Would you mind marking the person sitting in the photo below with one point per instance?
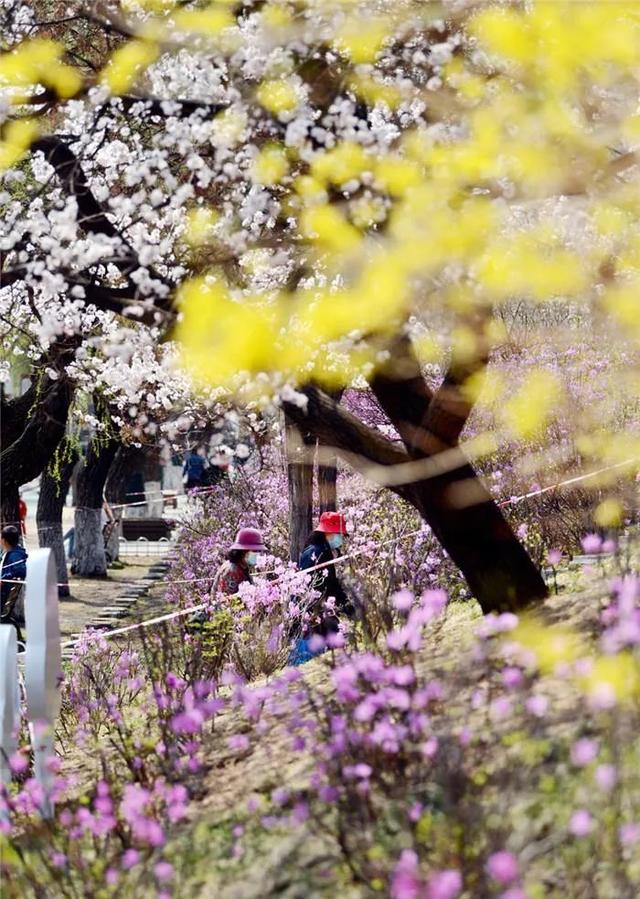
(241, 558)
(13, 569)
(322, 548)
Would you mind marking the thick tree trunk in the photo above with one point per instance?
(127, 460)
(9, 503)
(53, 493)
(91, 559)
(300, 477)
(32, 427)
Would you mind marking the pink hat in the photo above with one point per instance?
(249, 539)
(332, 523)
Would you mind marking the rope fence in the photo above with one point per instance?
(514, 500)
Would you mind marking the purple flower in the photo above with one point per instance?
(512, 677)
(537, 705)
(583, 752)
(238, 742)
(502, 867)
(18, 763)
(430, 748)
(606, 777)
(187, 722)
(402, 600)
(163, 871)
(405, 883)
(554, 556)
(514, 893)
(629, 834)
(280, 796)
(130, 858)
(316, 643)
(581, 823)
(444, 884)
(592, 543)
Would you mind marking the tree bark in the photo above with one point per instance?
(33, 425)
(328, 482)
(53, 493)
(10, 499)
(127, 460)
(299, 446)
(90, 555)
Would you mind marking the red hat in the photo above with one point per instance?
(332, 523)
(250, 540)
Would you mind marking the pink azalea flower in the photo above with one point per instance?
(163, 871)
(583, 752)
(502, 867)
(402, 600)
(592, 543)
(581, 823)
(537, 705)
(444, 885)
(629, 834)
(606, 777)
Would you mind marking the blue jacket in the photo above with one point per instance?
(194, 467)
(14, 568)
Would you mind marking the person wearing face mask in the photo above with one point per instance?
(324, 545)
(241, 558)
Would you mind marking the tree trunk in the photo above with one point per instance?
(327, 468)
(10, 496)
(327, 482)
(300, 477)
(53, 493)
(127, 460)
(31, 432)
(91, 559)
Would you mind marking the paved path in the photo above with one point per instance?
(90, 595)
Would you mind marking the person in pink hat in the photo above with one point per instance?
(241, 558)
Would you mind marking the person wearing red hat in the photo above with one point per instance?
(323, 546)
(241, 558)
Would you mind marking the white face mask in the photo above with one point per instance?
(252, 559)
(335, 541)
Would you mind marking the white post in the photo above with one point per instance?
(9, 699)
(43, 666)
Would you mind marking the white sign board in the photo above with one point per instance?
(43, 667)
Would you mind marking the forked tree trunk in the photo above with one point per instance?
(300, 477)
(53, 493)
(91, 560)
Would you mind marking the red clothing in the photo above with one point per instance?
(229, 577)
(22, 512)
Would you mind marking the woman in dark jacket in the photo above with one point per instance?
(323, 546)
